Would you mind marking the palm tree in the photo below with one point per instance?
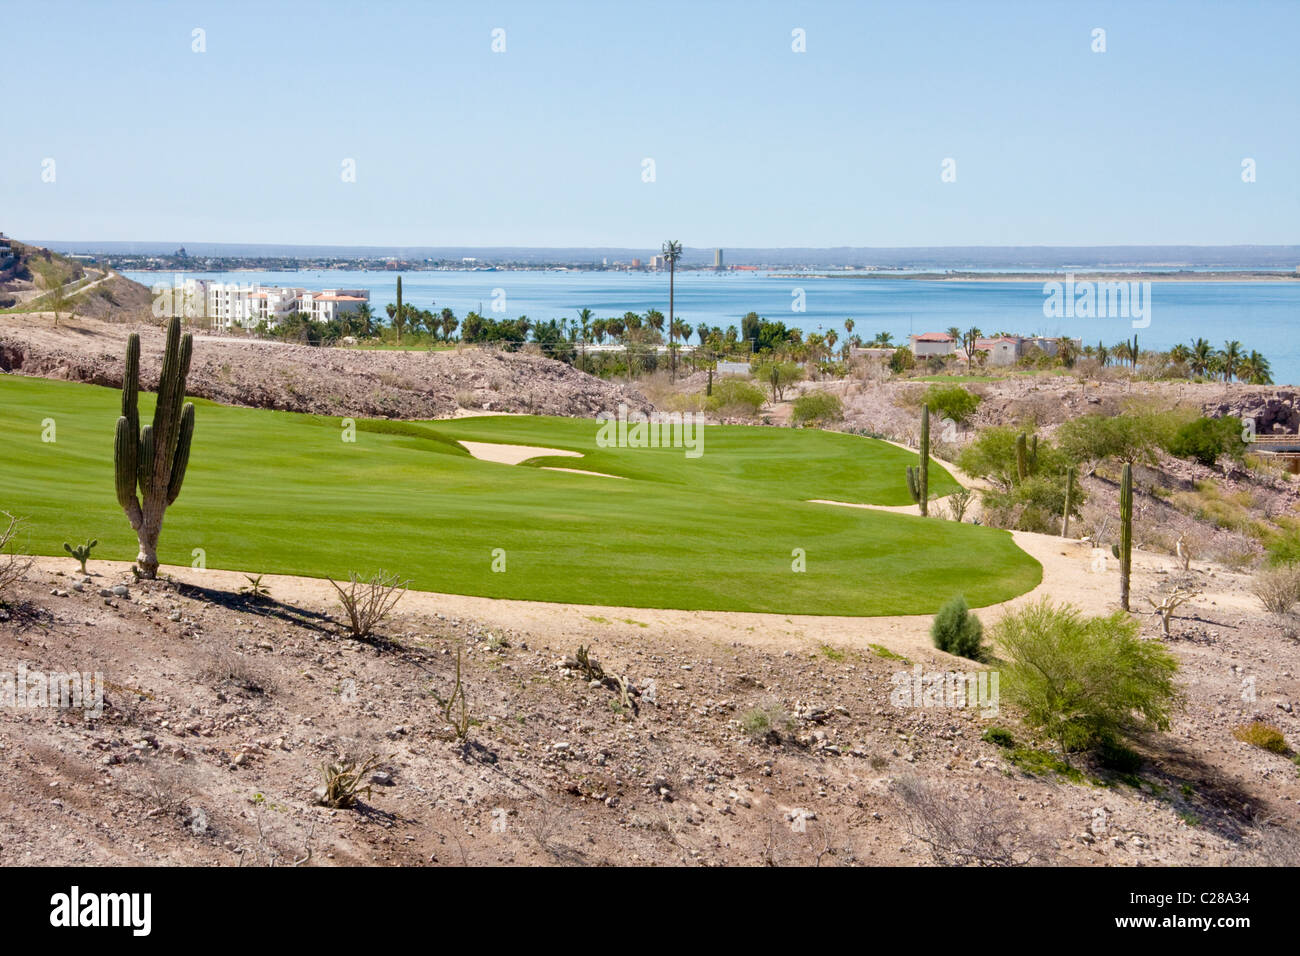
(1254, 369)
(1202, 352)
(1180, 354)
(1103, 354)
(848, 326)
(1066, 351)
(832, 337)
(672, 250)
(954, 333)
(584, 322)
(882, 340)
(1231, 359)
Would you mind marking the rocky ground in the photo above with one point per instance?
(221, 709)
(333, 381)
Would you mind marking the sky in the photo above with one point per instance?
(244, 131)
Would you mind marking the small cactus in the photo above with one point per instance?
(81, 552)
(1022, 458)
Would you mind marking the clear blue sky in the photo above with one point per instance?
(754, 144)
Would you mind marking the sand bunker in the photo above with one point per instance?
(580, 471)
(513, 454)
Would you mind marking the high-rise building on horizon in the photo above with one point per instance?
(717, 258)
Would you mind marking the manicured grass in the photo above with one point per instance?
(279, 492)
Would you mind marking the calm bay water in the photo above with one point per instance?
(1261, 315)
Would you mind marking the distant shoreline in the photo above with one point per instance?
(1040, 277)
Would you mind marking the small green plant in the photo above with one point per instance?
(81, 552)
(255, 588)
(765, 721)
(342, 784)
(881, 651)
(1263, 735)
(999, 736)
(590, 667)
(455, 710)
(958, 631)
(832, 653)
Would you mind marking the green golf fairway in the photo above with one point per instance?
(278, 492)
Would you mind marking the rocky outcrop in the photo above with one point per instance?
(326, 381)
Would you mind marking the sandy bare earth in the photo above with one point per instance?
(516, 454)
(1070, 573)
(513, 454)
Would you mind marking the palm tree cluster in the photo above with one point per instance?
(1202, 360)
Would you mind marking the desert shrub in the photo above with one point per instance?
(817, 408)
(1207, 439)
(959, 502)
(956, 630)
(1284, 546)
(1278, 589)
(343, 783)
(776, 375)
(1133, 436)
(766, 720)
(1084, 681)
(902, 361)
(1034, 504)
(367, 602)
(735, 396)
(961, 829)
(952, 401)
(12, 567)
(1263, 735)
(999, 736)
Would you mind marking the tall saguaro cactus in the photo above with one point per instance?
(918, 478)
(153, 458)
(1125, 533)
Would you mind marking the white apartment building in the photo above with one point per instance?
(229, 305)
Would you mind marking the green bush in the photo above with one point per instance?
(958, 631)
(1085, 682)
(1206, 439)
(735, 396)
(1263, 735)
(778, 376)
(815, 408)
(999, 736)
(1132, 436)
(952, 401)
(902, 361)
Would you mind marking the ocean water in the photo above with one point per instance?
(1261, 315)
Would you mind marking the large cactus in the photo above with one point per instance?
(918, 478)
(153, 458)
(1125, 533)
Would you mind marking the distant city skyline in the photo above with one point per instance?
(778, 125)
